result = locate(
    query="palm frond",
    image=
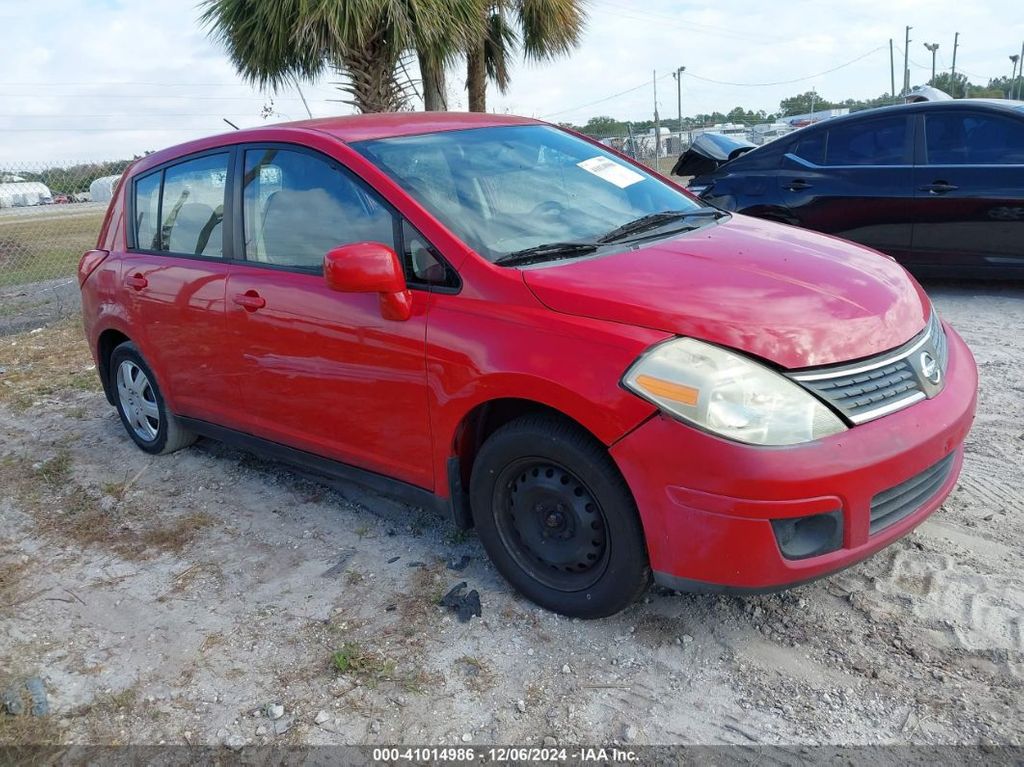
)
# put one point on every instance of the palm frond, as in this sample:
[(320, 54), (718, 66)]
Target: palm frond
[(550, 28)]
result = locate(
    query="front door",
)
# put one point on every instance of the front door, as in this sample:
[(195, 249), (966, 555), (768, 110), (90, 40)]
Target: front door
[(319, 370), (854, 180), (969, 184)]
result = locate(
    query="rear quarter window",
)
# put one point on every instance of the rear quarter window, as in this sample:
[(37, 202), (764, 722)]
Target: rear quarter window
[(147, 208)]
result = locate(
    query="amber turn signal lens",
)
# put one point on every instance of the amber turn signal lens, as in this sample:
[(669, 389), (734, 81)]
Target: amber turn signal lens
[(658, 387)]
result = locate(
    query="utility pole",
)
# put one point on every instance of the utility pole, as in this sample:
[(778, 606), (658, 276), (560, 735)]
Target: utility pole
[(1020, 73), (657, 120), (892, 70), (1013, 76), (906, 62), (678, 74), (302, 96), (956, 44), (932, 47)]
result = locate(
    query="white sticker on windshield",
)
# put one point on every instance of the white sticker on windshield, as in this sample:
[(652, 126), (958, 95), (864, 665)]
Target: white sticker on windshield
[(611, 171)]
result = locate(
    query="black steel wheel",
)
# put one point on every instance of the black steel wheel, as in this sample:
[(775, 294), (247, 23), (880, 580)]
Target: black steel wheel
[(557, 518), (551, 524)]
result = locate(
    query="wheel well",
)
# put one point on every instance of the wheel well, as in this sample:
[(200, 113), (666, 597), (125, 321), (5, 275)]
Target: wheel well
[(109, 340), (486, 418)]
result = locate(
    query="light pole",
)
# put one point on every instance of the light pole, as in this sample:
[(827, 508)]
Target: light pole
[(1013, 77), (678, 74), (932, 47)]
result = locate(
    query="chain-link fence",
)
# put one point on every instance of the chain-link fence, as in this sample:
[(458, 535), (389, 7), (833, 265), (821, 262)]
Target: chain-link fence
[(50, 213)]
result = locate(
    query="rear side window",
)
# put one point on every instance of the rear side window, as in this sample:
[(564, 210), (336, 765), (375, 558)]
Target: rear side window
[(297, 206), (876, 142), (192, 206), (973, 139), (180, 209)]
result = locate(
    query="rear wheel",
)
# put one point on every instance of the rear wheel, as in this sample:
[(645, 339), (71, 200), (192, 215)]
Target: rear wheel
[(557, 519), (141, 405)]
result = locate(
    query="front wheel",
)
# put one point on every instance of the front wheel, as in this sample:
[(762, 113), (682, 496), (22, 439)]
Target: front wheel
[(558, 519), (141, 405)]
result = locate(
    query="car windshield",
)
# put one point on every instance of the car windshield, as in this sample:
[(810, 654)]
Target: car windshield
[(527, 188)]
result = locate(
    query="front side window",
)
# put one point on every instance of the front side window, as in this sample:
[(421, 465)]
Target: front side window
[(511, 188), (297, 206), (875, 142), (960, 138), (811, 147)]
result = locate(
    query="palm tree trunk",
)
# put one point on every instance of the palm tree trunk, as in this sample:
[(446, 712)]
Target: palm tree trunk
[(432, 79), (476, 78), (373, 81)]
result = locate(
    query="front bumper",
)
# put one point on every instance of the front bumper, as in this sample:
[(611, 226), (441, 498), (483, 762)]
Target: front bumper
[(706, 502)]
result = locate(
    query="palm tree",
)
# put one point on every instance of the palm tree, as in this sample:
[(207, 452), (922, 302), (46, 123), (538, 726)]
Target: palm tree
[(272, 41), (544, 29)]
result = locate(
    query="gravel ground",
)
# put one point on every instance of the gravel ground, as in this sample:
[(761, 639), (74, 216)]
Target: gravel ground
[(186, 598)]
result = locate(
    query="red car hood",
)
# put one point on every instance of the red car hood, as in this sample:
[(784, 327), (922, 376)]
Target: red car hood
[(790, 296)]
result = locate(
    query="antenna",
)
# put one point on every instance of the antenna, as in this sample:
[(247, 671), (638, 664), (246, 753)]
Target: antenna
[(230, 123)]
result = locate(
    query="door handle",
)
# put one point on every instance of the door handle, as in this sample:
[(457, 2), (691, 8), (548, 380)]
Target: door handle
[(136, 281), (798, 185), (939, 187), (250, 300)]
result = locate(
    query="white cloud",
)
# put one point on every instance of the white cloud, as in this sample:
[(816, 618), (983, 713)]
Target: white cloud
[(104, 79)]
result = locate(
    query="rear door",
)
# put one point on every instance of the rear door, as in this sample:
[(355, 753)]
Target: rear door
[(969, 187), (320, 370), (854, 179), (174, 276)]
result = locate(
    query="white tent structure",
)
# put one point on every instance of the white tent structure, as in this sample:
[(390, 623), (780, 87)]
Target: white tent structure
[(102, 189), (18, 194)]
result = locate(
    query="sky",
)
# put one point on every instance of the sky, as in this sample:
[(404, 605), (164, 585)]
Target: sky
[(85, 80)]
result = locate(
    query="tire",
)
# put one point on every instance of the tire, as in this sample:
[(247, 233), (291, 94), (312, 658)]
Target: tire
[(557, 519), (141, 405)]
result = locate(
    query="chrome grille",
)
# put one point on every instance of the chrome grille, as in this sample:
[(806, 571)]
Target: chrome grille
[(892, 505), (869, 389)]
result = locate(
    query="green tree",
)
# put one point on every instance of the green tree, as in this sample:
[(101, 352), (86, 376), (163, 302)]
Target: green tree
[(602, 127), (956, 87), (270, 42), (542, 29), (998, 87), (803, 103)]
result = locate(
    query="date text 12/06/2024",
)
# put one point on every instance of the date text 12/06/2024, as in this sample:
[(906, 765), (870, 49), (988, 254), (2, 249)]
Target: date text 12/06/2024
[(504, 754)]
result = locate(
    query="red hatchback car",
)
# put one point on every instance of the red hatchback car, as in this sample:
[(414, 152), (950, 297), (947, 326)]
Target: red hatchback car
[(499, 318)]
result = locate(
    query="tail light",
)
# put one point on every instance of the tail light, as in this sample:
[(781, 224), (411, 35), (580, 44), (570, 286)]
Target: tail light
[(87, 265)]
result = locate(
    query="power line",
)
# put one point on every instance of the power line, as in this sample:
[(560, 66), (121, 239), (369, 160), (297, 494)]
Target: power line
[(157, 97), (637, 14), (688, 73), (644, 84)]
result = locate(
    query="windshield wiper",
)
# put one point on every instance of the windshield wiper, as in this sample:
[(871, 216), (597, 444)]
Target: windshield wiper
[(549, 251), (653, 221)]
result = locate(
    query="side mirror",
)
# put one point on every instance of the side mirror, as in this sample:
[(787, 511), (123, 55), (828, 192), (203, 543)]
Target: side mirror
[(370, 267)]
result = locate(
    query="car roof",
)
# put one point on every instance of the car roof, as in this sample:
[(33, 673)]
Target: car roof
[(346, 128), (1004, 105), (391, 124)]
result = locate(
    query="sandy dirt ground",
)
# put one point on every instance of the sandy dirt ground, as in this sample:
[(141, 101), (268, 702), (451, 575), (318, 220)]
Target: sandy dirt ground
[(211, 597)]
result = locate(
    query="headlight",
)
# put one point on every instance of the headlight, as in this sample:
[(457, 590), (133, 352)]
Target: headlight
[(729, 394)]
